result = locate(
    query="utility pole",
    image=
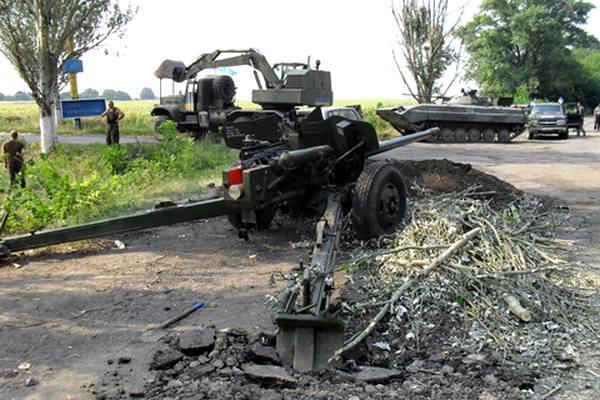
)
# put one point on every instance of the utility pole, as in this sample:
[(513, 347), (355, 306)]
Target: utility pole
[(73, 81)]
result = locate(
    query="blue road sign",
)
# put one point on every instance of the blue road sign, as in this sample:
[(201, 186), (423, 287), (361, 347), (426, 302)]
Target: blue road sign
[(73, 66), (82, 108)]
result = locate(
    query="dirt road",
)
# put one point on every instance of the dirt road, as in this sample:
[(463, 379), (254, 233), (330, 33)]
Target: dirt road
[(69, 314)]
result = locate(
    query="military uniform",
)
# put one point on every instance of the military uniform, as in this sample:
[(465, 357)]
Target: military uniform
[(112, 126), (581, 112), (13, 160)]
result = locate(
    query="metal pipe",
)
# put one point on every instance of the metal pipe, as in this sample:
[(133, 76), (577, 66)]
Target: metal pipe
[(147, 219), (403, 141)]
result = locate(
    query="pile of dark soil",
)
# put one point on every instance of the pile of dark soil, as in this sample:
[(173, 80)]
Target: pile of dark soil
[(444, 176)]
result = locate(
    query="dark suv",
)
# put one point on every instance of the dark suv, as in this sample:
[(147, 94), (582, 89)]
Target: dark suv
[(548, 118)]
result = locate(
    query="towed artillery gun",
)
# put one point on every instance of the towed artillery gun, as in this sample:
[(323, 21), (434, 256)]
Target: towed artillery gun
[(467, 118), (208, 102), (319, 165)]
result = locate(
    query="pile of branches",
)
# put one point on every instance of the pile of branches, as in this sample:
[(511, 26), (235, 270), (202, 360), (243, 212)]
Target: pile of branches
[(507, 278)]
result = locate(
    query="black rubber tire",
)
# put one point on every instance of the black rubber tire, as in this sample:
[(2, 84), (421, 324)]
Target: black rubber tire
[(460, 135), (263, 219), (157, 123), (378, 201), (223, 88), (504, 135)]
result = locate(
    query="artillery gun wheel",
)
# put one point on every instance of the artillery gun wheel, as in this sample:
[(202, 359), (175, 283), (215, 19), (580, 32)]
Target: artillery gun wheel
[(489, 135), (447, 135), (263, 219), (474, 135), (460, 135), (378, 201), (504, 135)]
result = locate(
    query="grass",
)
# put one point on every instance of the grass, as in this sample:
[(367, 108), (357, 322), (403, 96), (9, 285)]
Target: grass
[(82, 183), (24, 116)]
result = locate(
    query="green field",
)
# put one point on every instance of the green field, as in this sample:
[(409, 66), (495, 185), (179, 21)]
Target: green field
[(24, 117)]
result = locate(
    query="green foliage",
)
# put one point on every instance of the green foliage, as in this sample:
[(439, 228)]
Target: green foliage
[(522, 95), (34, 36), (82, 183), (524, 45), (147, 94), (589, 81), (115, 158)]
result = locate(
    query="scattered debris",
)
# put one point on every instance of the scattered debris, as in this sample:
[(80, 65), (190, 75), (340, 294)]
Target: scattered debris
[(197, 341), (24, 366), (377, 375), (165, 358), (31, 381), (268, 372)]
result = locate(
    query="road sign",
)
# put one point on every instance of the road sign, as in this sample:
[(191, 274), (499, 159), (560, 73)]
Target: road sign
[(82, 108), (73, 66)]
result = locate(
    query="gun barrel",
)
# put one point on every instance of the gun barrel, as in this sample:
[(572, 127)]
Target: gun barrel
[(403, 141), (294, 158)]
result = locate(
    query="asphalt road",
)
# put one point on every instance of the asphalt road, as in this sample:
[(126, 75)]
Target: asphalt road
[(83, 139)]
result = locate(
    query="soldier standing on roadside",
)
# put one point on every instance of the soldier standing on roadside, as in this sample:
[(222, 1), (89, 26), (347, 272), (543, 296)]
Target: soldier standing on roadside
[(113, 116), (597, 118), (581, 112), (13, 158)]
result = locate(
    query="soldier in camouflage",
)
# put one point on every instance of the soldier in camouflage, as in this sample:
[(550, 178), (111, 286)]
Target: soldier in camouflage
[(113, 116)]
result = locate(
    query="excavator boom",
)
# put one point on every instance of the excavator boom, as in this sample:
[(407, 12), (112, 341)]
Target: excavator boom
[(177, 71)]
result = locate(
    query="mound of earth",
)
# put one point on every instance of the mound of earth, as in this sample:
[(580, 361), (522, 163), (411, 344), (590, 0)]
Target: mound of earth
[(443, 176)]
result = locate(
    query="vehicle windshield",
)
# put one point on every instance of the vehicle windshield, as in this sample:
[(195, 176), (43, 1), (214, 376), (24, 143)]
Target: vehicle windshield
[(346, 113), (547, 109)]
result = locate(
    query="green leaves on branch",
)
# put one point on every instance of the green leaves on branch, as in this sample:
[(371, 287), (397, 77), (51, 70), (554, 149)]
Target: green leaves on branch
[(525, 46)]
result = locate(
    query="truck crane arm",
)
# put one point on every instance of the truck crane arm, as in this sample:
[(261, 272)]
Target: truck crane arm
[(177, 70)]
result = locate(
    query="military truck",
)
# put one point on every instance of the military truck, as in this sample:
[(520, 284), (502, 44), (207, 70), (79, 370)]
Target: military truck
[(466, 118), (208, 102)]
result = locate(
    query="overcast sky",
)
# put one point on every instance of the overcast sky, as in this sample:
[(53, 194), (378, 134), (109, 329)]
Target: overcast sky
[(352, 38)]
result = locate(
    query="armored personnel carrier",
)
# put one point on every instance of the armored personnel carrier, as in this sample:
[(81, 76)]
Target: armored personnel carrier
[(466, 118)]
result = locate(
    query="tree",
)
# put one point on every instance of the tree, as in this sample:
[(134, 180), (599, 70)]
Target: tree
[(34, 35), (1, 96), (22, 96), (589, 79), (110, 94), (427, 45), (89, 94), (121, 95), (517, 45), (147, 94)]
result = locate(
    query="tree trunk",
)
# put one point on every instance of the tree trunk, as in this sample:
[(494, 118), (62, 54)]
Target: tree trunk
[(48, 126), (49, 84)]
